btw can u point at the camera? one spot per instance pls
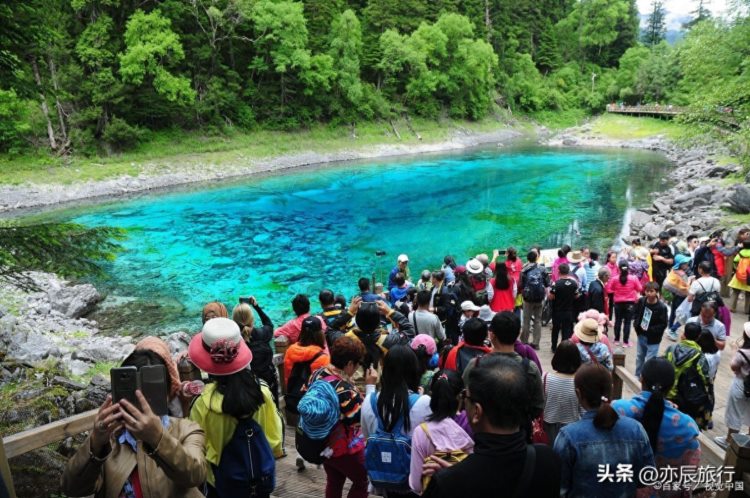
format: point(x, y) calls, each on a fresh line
point(501, 252)
point(369, 305)
point(379, 253)
point(245, 300)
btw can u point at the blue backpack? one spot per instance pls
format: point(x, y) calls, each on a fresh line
point(388, 454)
point(247, 466)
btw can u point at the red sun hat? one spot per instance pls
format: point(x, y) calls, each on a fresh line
point(219, 348)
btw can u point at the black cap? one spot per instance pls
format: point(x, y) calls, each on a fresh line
point(312, 324)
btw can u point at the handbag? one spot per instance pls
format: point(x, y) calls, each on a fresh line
point(538, 434)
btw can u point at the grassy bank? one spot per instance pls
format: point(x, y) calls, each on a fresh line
point(173, 150)
point(622, 127)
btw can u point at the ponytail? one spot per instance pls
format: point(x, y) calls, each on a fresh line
point(444, 392)
point(623, 277)
point(247, 332)
point(653, 413)
point(606, 417)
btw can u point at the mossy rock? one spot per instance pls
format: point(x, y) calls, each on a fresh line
point(37, 474)
point(136, 317)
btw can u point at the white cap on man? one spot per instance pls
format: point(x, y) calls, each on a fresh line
point(403, 258)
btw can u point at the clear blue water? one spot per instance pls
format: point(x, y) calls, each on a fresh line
point(299, 231)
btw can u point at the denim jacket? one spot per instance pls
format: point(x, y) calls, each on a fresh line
point(590, 455)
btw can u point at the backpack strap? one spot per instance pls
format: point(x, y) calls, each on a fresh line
point(423, 425)
point(738, 350)
point(529, 466)
point(416, 329)
point(591, 355)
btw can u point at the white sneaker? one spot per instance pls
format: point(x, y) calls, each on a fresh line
point(721, 441)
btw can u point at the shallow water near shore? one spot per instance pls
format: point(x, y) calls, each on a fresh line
point(298, 231)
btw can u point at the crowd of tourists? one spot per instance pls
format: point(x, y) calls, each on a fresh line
point(433, 386)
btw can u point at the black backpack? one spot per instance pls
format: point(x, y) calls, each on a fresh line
point(692, 396)
point(746, 380)
point(705, 297)
point(533, 289)
point(300, 374)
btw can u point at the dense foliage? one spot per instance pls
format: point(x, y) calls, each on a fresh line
point(93, 76)
point(67, 249)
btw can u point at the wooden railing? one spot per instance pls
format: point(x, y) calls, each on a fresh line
point(668, 110)
point(711, 453)
point(38, 437)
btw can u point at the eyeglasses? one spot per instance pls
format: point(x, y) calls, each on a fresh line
point(465, 395)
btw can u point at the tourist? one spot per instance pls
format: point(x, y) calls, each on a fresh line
point(424, 321)
point(639, 264)
point(378, 291)
point(329, 306)
point(673, 435)
point(440, 432)
point(364, 291)
point(310, 349)
point(740, 283)
point(444, 304)
point(534, 284)
point(590, 348)
point(692, 244)
point(650, 321)
point(591, 266)
point(232, 396)
point(292, 328)
point(504, 290)
point(602, 320)
point(690, 362)
point(462, 288)
point(504, 331)
point(737, 412)
point(562, 258)
point(368, 329)
point(597, 297)
point(425, 281)
point(258, 339)
point(496, 400)
point(626, 289)
point(398, 407)
point(563, 295)
point(426, 349)
point(561, 405)
point(578, 271)
point(708, 322)
point(402, 266)
point(703, 254)
point(347, 459)
point(399, 292)
point(449, 265)
point(677, 283)
point(708, 345)
point(479, 281)
point(129, 448)
point(614, 272)
point(705, 287)
point(663, 258)
point(600, 441)
point(214, 309)
point(468, 310)
point(472, 345)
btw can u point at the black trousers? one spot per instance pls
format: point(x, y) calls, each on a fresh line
point(562, 321)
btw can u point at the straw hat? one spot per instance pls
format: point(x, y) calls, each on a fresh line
point(587, 330)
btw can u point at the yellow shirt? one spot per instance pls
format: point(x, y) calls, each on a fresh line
point(219, 428)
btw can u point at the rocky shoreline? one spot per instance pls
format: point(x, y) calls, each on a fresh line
point(37, 196)
point(700, 197)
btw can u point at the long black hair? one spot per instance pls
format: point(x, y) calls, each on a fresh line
point(400, 375)
point(624, 271)
point(657, 378)
point(445, 389)
point(242, 394)
point(502, 281)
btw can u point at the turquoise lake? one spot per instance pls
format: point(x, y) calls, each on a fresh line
point(300, 231)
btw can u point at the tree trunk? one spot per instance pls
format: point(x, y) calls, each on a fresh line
point(411, 128)
point(56, 86)
point(45, 109)
point(487, 21)
point(393, 127)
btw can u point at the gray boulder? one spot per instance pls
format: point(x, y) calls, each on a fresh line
point(73, 301)
point(651, 230)
point(639, 219)
point(739, 199)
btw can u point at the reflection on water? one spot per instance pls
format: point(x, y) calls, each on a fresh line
point(277, 236)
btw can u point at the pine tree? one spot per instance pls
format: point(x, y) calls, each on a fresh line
point(319, 15)
point(548, 53)
point(701, 14)
point(656, 28)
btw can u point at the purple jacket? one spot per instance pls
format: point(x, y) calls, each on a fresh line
point(527, 351)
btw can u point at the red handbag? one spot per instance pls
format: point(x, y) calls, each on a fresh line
point(538, 434)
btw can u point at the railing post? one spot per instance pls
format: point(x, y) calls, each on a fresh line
point(5, 472)
point(618, 359)
point(738, 458)
point(281, 344)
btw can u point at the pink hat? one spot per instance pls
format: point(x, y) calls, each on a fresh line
point(219, 349)
point(424, 340)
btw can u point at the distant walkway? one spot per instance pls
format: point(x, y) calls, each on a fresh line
point(660, 110)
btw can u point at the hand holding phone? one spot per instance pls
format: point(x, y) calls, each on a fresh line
point(142, 422)
point(124, 384)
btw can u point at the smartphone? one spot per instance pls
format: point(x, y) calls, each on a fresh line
point(501, 252)
point(124, 384)
point(244, 300)
point(154, 387)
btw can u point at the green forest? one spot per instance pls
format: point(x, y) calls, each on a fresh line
point(88, 77)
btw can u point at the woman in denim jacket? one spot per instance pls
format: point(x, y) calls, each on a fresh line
point(602, 454)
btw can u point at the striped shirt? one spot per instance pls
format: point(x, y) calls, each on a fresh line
point(560, 401)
